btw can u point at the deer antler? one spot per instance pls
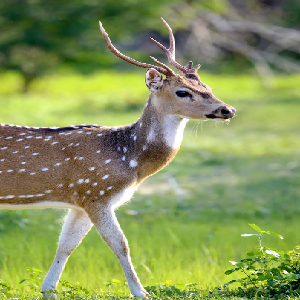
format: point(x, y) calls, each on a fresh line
point(165, 70)
point(171, 53)
point(188, 69)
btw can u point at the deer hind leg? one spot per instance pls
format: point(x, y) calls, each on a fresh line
point(108, 226)
point(77, 225)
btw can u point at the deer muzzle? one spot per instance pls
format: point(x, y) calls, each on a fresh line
point(222, 112)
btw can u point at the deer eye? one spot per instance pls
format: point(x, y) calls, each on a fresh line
point(183, 94)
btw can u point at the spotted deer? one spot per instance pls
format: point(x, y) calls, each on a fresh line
point(92, 170)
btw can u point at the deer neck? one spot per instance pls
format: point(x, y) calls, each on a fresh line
point(160, 127)
point(159, 138)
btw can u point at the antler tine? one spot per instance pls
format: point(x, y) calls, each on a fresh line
point(171, 39)
point(166, 70)
point(163, 65)
point(171, 50)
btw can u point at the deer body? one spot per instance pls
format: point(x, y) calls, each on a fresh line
point(94, 169)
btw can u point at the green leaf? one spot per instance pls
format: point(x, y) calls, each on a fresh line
point(117, 281)
point(255, 227)
point(228, 272)
point(276, 234)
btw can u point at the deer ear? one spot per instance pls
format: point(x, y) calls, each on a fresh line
point(154, 80)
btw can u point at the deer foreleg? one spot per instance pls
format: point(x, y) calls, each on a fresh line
point(109, 228)
point(76, 226)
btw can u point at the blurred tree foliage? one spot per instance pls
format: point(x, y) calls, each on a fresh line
point(37, 36)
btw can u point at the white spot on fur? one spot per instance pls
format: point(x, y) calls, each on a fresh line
point(109, 188)
point(60, 185)
point(108, 161)
point(68, 158)
point(53, 143)
point(144, 147)
point(87, 181)
point(124, 149)
point(19, 140)
point(57, 164)
point(133, 163)
point(123, 158)
point(105, 176)
point(3, 148)
point(32, 173)
point(15, 152)
point(95, 183)
point(35, 153)
point(98, 151)
point(101, 192)
point(45, 169)
point(80, 181)
point(92, 168)
point(26, 147)
point(22, 170)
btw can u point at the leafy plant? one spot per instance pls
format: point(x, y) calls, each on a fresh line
point(267, 270)
point(5, 289)
point(73, 291)
point(169, 289)
point(34, 279)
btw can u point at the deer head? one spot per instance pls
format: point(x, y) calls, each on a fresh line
point(182, 94)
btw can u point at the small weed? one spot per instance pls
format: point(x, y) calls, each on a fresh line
point(73, 291)
point(34, 280)
point(267, 271)
point(5, 289)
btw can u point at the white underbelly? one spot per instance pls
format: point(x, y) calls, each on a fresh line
point(42, 204)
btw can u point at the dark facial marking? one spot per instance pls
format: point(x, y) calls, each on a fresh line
point(204, 95)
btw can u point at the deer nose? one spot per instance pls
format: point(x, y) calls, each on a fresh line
point(226, 112)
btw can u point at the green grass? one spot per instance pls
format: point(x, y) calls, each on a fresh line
point(184, 223)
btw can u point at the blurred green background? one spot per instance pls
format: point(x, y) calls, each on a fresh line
point(184, 223)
